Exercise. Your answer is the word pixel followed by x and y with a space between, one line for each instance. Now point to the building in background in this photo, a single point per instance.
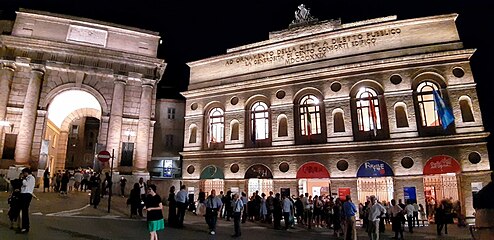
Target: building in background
pixel 165 167
pixel 71 87
pixel 358 108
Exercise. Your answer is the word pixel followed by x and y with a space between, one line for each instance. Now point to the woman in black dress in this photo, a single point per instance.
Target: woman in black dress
pixel 172 207
pixel 154 209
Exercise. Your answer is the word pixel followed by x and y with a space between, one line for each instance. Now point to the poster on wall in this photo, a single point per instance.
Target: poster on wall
pixel 410 194
pixel 343 192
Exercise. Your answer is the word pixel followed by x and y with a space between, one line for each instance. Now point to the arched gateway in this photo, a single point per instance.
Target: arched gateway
pixel 67 83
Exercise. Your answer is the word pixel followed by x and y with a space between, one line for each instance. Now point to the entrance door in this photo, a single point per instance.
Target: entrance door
pixel 319 187
pixel 381 187
pixel 209 184
pixel 441 186
pixel 261 185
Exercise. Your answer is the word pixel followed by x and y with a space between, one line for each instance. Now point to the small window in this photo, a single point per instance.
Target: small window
pixel 282 127
pixel 75 129
pixel 466 109
pixel 171 113
pixel 193 135
pixel 338 122
pixel 401 116
pixel 169 140
pixel 234 135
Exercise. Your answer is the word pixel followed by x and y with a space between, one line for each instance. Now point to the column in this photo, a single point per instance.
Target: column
pixel 28 119
pixel 115 121
pixel 6 77
pixel 142 141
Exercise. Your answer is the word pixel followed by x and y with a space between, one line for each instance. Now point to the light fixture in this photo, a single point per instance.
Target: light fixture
pixel 4 123
pixel 129 133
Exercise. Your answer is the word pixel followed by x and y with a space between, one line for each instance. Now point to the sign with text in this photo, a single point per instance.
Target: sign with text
pixel 374 168
pixel 410 194
pixel 343 192
pixel 441 164
pixel 329 45
pixel 312 170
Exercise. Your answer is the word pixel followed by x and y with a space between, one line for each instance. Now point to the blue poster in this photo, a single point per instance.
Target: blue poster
pixel 374 168
pixel 410 194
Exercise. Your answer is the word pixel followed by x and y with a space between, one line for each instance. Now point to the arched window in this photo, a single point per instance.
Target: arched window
pixel 466 109
pixel 426 104
pixel 193 134
pixel 310 115
pixel 368 114
pixel 282 127
pixel 216 126
pixel 234 129
pixel 401 115
pixel 259 118
pixel 338 121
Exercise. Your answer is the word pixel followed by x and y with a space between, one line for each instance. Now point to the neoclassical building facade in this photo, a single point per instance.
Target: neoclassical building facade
pixel 58 72
pixel 334 109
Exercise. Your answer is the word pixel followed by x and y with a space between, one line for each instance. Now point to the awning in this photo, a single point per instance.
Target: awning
pixel 258 171
pixel 441 164
pixel 312 170
pixel 374 168
pixel 212 172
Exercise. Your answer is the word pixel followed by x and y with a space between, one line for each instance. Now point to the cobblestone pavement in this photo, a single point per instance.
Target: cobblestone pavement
pixel 70 217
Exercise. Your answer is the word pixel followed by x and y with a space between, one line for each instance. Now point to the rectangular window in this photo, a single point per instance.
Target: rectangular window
pixel 127 154
pixel 9 146
pixel 169 140
pixel 75 129
pixel 171 113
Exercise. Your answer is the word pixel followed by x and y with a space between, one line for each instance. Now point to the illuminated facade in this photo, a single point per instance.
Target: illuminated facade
pixel 59 71
pixel 331 108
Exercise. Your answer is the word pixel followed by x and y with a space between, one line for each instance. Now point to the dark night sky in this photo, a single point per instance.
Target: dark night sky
pixel 193 30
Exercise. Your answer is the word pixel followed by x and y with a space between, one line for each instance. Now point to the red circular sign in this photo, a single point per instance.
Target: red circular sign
pixel 104 156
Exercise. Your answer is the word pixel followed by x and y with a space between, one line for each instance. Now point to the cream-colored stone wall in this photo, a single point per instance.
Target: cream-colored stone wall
pixel 65 66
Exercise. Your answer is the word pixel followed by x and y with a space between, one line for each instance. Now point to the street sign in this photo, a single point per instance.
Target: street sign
pixel 104 156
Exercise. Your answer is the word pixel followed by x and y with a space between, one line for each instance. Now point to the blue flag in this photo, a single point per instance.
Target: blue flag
pixel 445 113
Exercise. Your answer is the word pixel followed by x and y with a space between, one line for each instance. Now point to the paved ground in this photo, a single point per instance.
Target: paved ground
pixel 55 217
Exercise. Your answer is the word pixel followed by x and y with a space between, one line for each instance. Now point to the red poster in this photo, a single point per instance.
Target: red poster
pixel 343 192
pixel 441 164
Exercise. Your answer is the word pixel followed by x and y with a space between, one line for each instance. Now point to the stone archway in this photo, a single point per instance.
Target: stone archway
pixel 61 113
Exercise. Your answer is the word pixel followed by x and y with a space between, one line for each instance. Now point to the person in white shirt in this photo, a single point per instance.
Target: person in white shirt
pixel 26 197
pixel 287 206
pixel 409 211
pixel 182 200
pixel 376 211
pixel 238 206
pixel 396 219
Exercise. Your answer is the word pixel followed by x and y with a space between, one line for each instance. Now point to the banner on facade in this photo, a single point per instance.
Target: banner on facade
pixel 410 194
pixel 258 171
pixel 343 192
pixel 212 172
pixel 312 170
pixel 441 164
pixel 374 168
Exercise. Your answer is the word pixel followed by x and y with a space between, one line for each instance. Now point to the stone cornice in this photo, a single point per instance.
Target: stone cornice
pixel 345 70
pixel 390 145
pixel 86 57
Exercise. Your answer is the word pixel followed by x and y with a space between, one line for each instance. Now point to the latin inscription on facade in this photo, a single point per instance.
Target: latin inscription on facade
pixel 316 50
pixel 88 35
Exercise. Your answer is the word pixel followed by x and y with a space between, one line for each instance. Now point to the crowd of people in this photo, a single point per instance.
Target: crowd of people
pixel 337 214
